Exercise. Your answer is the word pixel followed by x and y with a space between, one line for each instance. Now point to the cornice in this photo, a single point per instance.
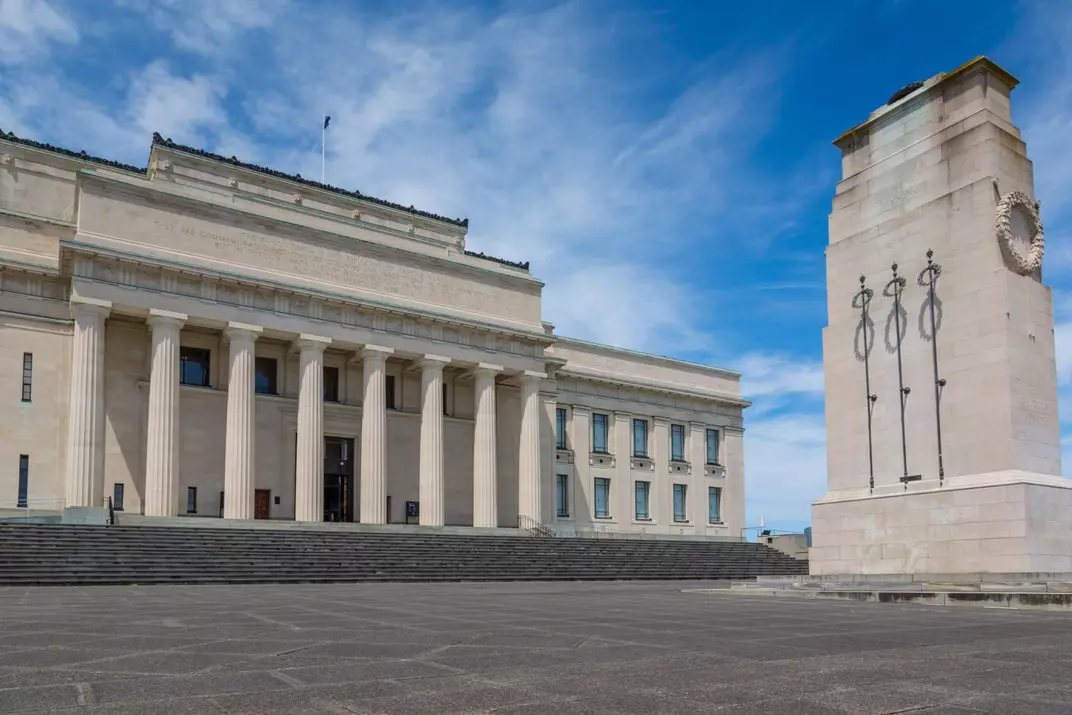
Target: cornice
pixel 160 141
pixel 652 386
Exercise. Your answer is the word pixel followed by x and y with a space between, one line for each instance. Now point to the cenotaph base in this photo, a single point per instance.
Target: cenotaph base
pixel 943 444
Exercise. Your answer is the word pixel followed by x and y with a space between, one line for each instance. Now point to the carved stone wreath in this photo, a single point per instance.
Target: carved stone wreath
pixel 1017 261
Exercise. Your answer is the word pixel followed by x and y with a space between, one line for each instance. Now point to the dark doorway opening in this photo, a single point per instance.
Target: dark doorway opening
pixel 338 479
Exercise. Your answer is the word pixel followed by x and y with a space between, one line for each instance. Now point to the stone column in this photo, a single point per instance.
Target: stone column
pixel 241 423
pixel 374 436
pixel 485 473
pixel 162 440
pixel 431 481
pixel 528 470
pixel 85 422
pixel 309 462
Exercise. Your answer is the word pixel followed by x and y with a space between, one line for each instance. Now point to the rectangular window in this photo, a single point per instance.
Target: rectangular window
pixel 560 427
pixel 389 391
pixel 27 376
pixel 679 503
pixel 643 489
pixel 602 498
pixel 191 500
pixel 331 384
pixel 562 494
pixel 640 438
pixel 117 497
pixel 193 366
pixel 266 369
pixel 677 443
pixel 714 505
pixel 24 479
pixel 599 433
pixel 712 446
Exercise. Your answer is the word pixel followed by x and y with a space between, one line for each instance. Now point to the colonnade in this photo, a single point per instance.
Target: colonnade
pixel 85 439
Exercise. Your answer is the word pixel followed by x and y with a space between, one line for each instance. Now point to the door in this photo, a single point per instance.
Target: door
pixel 338 479
pixel 262 501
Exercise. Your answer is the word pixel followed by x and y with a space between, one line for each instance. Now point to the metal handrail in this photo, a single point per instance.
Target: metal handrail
pixel 534 528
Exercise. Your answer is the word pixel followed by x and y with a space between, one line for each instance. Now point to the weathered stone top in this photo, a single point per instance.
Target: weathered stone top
pixel 921 87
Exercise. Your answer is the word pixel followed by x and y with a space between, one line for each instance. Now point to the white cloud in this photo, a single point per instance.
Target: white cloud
pixel 773 375
pixel 785 467
pixel 170 104
pixel 28 28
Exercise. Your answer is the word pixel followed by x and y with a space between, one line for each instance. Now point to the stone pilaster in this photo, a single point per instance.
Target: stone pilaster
pixel 162 438
pixel 431 480
pixel 309 464
pixel 485 512
pixel 85 424
pixel 241 423
pixel 528 488
pixel 374 436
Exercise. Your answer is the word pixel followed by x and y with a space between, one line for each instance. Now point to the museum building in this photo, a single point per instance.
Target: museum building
pixel 210 338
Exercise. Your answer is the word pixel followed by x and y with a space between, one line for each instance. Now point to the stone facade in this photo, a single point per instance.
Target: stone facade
pixel 197 329
pixel 929 171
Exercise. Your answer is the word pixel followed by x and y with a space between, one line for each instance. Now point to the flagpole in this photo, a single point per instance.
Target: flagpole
pixel 323 149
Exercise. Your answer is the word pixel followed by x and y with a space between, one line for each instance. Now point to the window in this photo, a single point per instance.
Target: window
pixel 712 446
pixel 191 500
pixel 562 494
pixel 389 391
pixel 679 503
pixel 117 497
pixel 193 366
pixel 331 384
pixel 266 374
pixel 24 479
pixel 560 427
pixel 714 505
pixel 602 498
pixel 643 489
pixel 27 375
pixel 677 443
pixel 640 438
pixel 599 433
pixel 445 412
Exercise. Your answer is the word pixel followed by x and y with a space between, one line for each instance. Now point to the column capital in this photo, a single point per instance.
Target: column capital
pixel 307 341
pixel 531 376
pixel 661 421
pixel 375 352
pixel 580 409
pixel 165 317
pixel 433 362
pixel 91 306
pixel 242 331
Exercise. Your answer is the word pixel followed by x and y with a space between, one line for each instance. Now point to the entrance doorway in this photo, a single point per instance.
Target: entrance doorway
pixel 338 479
pixel 262 504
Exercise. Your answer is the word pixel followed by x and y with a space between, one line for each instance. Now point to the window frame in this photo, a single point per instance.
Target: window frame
pixel 712 438
pixel 602 419
pixel 23 494
pixel 643 434
pixel 716 517
pixel 27 377
pixel 273 376
pixel 560 428
pixel 683 516
pixel 562 496
pixel 184 351
pixel 338 377
pixel 191 499
pixel 675 455
pixel 604 483
pixel 118 493
pixel 647 500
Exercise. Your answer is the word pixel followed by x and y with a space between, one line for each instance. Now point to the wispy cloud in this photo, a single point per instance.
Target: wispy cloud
pixel 28 29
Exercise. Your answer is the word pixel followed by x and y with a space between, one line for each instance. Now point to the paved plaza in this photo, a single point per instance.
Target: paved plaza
pixel 516 648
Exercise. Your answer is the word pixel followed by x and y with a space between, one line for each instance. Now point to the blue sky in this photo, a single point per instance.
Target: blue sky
pixel 665 166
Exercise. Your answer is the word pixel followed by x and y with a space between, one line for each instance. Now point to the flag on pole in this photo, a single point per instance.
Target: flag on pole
pixel 327 120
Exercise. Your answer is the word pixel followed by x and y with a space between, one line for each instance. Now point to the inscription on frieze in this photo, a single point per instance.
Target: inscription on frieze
pixel 335 265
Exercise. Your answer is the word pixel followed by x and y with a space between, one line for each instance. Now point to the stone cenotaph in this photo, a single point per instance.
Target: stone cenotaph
pixel 943 447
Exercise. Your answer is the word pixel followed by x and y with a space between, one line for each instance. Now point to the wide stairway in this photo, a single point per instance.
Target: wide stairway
pixel 56 554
